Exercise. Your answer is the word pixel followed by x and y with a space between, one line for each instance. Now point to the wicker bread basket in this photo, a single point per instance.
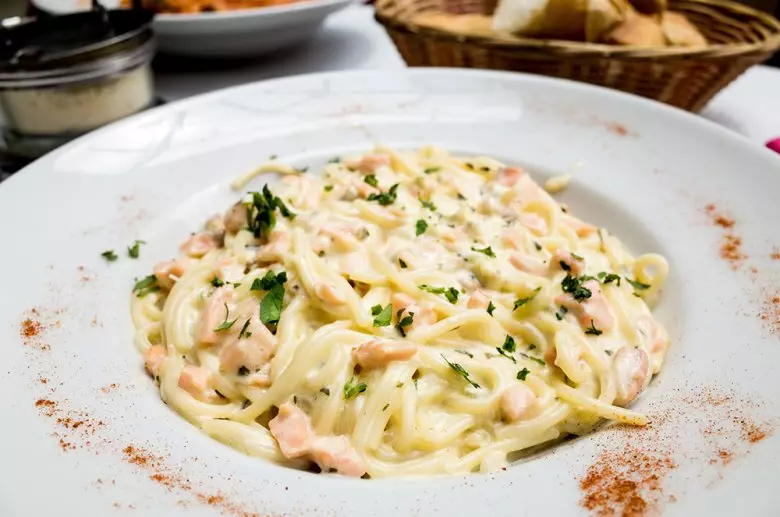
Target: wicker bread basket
pixel 688 78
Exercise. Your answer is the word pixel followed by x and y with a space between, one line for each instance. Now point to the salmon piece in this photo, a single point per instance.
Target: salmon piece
pixel 512 239
pixel 212 315
pixel 291 428
pixel 336 453
pixel 215 225
pixel 566 261
pixel 235 218
pixel 251 352
pixel 582 229
pixel 199 244
pixel 593 311
pixel 517 401
pixel 654 333
pixel 377 352
pixel 478 300
pixel 509 176
pixel 154 359
pixel 275 249
pixel 423 314
pixel 534 222
pixel 631 367
pixel 528 264
pixel 196 381
pixel 169 271
pixel 368 163
pixel 329 294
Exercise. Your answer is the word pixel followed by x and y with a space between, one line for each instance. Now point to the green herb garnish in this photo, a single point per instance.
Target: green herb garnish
pixel 382 316
pixel 420 227
pixel 261 217
pixel 327 188
pixel 561 313
pixel 243 370
pixel 449 292
pixel 522 374
pixel 243 333
pixel 461 371
pixel 509 344
pixel 271 306
pixel 427 204
pixel 537 246
pixel 491 307
pixel 384 198
pixel 573 286
pixel 431 170
pixel 522 301
pixel 109 255
pixel 216 282
pixel 404 322
pixel 145 286
pixel 464 352
pixel 506 354
pixel 371 180
pixel 135 250
pixel 485 251
pixel 351 389
pixel 225 324
pixel 593 330
pixel 402 263
pixel 637 285
pixel 326 391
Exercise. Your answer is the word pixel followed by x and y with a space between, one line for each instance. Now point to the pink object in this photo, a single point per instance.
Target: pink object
pixel 774 145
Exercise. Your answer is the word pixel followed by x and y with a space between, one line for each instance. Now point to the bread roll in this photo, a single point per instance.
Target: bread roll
pixel 649 6
pixel 680 32
pixel 637 30
pixel 603 16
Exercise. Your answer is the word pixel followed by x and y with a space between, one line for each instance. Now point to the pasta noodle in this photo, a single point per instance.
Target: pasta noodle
pixel 405 313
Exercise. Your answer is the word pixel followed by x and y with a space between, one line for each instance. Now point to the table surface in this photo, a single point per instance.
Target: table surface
pixel 352 40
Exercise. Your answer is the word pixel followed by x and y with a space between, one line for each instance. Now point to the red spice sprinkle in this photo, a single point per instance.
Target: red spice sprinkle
pixel 731 245
pixel 770 313
pixel 775 255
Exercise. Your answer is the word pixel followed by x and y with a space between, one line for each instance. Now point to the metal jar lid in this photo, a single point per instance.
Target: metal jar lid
pixel 77 47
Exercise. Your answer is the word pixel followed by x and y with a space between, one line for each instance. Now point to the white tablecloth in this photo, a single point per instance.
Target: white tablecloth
pixel 351 39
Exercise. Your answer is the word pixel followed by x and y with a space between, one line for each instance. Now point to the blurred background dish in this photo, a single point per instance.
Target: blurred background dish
pixel 226 33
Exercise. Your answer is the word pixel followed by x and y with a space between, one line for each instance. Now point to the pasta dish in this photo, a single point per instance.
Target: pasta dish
pixel 204 6
pixel 403 313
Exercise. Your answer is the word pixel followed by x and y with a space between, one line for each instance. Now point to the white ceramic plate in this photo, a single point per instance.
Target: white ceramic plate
pixel 643 170
pixel 240 33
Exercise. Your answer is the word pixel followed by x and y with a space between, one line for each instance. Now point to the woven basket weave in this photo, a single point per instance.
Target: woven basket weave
pixel 688 78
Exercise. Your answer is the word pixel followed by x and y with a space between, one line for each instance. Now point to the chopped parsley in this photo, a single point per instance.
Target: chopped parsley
pixel 427 204
pixel 431 170
pixel 351 389
pixel 532 358
pixel 593 330
pixel 564 265
pixel 455 367
pixel 327 188
pixel 243 370
pixel 404 322
pixel 491 308
pixel 561 313
pixel 575 256
pixel 420 227
pixel 382 316
pixel 522 374
pixel 637 285
pixel 261 216
pixel 216 282
pixel 243 333
pixel 465 352
pixel 326 391
pixel 225 324
pixel 402 263
pixel 145 286
pixel 384 198
pixel 135 250
pixel 109 255
pixel 371 180
pixel 271 306
pixel 506 354
pixel 386 406
pixel 607 278
pixel 522 301
pixel 485 251
pixel 399 384
pixel 335 160
pixel 573 286
pixel 449 292
pixel 537 246
pixel 509 344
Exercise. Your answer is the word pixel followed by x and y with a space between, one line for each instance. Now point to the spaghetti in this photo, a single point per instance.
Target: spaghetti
pixel 403 313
